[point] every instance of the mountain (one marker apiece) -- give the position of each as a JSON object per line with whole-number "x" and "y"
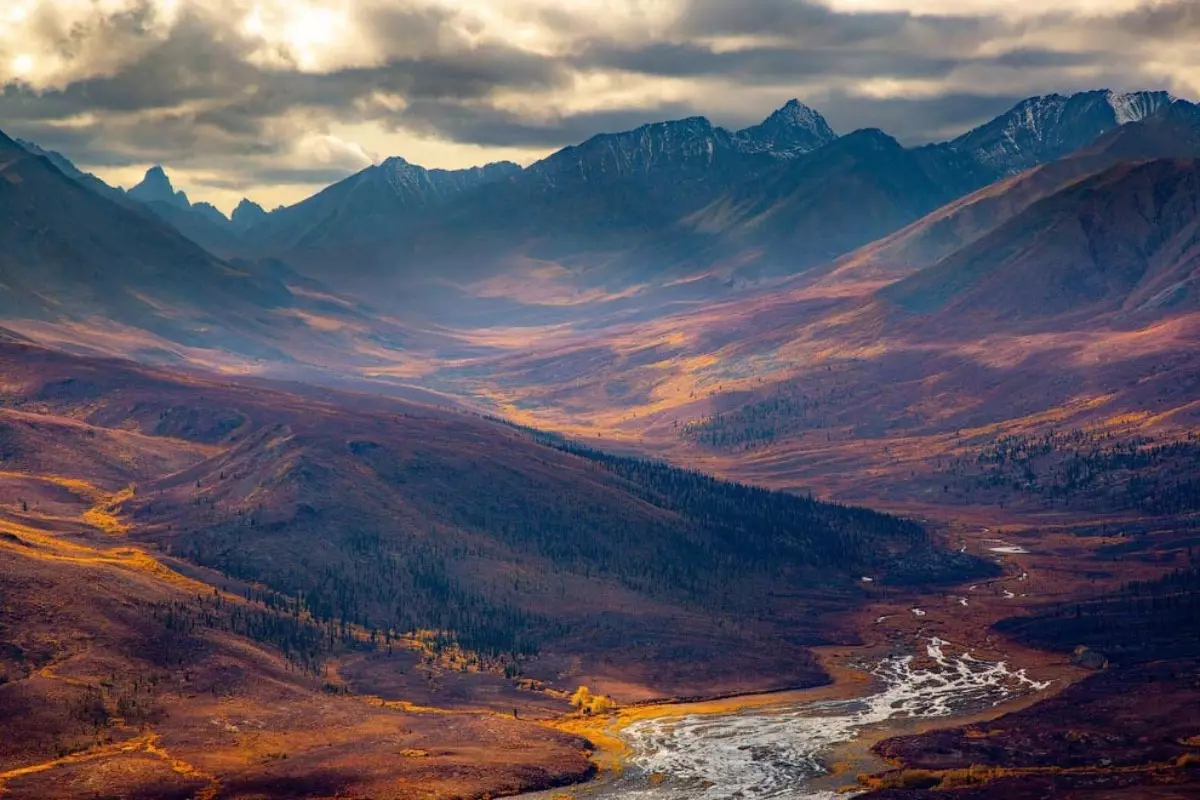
{"x": 664, "y": 201}
{"x": 1041, "y": 129}
{"x": 156, "y": 188}
{"x": 69, "y": 253}
{"x": 247, "y": 215}
{"x": 788, "y": 132}
{"x": 582, "y": 203}
{"x": 684, "y": 196}
{"x": 369, "y": 203}
{"x": 1126, "y": 240}
{"x": 822, "y": 204}
{"x": 1172, "y": 132}
{"x": 203, "y": 223}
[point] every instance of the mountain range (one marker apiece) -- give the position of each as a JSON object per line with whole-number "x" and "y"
{"x": 666, "y": 199}
{"x": 641, "y": 220}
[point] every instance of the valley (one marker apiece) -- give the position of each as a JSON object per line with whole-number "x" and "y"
{"x": 684, "y": 462}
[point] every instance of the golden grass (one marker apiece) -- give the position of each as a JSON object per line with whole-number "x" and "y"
{"x": 103, "y": 515}
{"x": 33, "y": 543}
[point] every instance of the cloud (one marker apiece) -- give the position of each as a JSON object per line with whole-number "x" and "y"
{"x": 276, "y": 97}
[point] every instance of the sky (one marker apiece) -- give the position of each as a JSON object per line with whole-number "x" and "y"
{"x": 274, "y": 99}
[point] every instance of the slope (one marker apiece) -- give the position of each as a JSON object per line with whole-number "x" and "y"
{"x": 127, "y": 673}
{"x": 413, "y": 519}
{"x": 1124, "y": 240}
{"x": 855, "y": 190}
{"x": 67, "y": 252}
{"x": 1172, "y": 132}
{"x": 368, "y": 204}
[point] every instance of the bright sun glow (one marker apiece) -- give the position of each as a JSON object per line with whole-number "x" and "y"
{"x": 305, "y": 34}
{"x": 22, "y": 65}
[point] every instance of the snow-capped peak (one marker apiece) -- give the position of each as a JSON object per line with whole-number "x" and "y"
{"x": 793, "y": 129}
{"x": 1135, "y": 106}
{"x": 796, "y": 113}
{"x": 1041, "y": 129}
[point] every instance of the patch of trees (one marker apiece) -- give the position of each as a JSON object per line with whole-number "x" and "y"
{"x": 1079, "y": 467}
{"x": 718, "y": 534}
{"x": 792, "y": 410}
{"x": 385, "y": 585}
{"x": 663, "y": 532}
{"x": 1144, "y": 621}
{"x": 268, "y": 618}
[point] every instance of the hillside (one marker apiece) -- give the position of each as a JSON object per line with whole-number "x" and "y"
{"x": 855, "y": 190}
{"x": 68, "y": 253}
{"x": 1172, "y": 132}
{"x": 415, "y": 519}
{"x": 129, "y": 674}
{"x": 1124, "y": 240}
{"x": 267, "y": 592}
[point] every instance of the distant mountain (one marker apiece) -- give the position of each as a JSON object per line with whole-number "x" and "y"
{"x": 203, "y": 223}
{"x": 369, "y": 203}
{"x": 1125, "y": 240}
{"x": 616, "y": 193}
{"x": 684, "y": 195}
{"x": 247, "y": 215}
{"x": 675, "y": 198}
{"x": 1041, "y": 129}
{"x": 850, "y": 192}
{"x": 67, "y": 252}
{"x": 156, "y": 188}
{"x": 1172, "y": 132}
{"x": 210, "y": 212}
{"x": 791, "y": 131}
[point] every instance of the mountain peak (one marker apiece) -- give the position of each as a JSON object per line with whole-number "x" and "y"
{"x": 247, "y": 214}
{"x": 1040, "y": 129}
{"x": 796, "y": 113}
{"x": 156, "y": 188}
{"x": 395, "y": 162}
{"x": 1136, "y": 106}
{"x": 789, "y": 131}
{"x": 211, "y": 212}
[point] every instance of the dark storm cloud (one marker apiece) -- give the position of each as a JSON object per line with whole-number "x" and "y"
{"x": 809, "y": 23}
{"x": 1178, "y": 21}
{"x": 196, "y": 96}
{"x": 771, "y": 65}
{"x": 764, "y": 65}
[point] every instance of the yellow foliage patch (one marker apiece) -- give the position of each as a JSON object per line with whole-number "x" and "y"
{"x": 103, "y": 515}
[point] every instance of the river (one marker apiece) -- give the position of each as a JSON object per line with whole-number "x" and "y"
{"x": 781, "y": 751}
